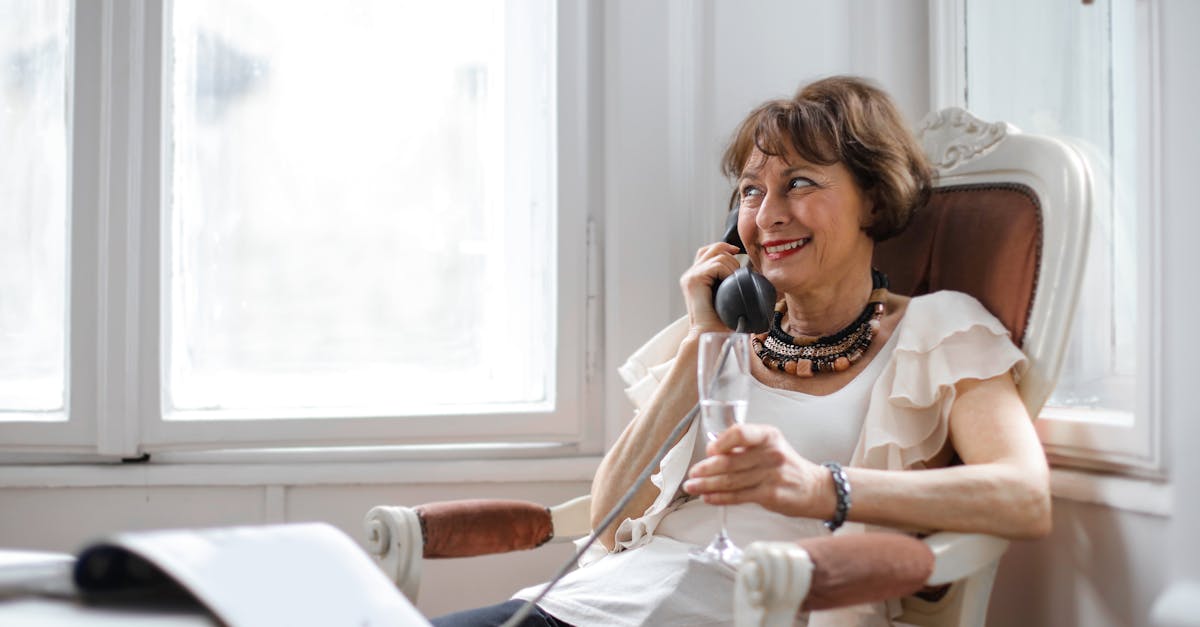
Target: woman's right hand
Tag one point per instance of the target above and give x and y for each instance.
(713, 263)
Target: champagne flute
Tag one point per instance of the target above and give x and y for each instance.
(723, 375)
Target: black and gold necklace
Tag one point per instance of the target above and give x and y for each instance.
(806, 356)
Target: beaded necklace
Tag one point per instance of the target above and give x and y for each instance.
(805, 356)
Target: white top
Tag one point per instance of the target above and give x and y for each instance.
(893, 415)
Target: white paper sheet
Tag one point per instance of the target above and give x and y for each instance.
(299, 574)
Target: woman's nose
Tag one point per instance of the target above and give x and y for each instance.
(773, 211)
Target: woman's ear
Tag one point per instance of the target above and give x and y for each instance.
(866, 219)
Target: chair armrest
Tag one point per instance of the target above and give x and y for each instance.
(776, 580)
(400, 537)
(969, 561)
(482, 527)
(865, 567)
(772, 581)
(959, 555)
(394, 540)
(573, 518)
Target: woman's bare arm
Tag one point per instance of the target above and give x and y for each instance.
(676, 395)
(639, 442)
(1002, 488)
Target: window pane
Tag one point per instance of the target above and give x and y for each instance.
(361, 209)
(1065, 69)
(33, 196)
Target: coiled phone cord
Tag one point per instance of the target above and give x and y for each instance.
(676, 433)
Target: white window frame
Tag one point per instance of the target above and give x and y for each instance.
(1110, 440)
(119, 178)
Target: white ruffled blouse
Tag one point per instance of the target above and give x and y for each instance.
(944, 337)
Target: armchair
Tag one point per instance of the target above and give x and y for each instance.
(1007, 223)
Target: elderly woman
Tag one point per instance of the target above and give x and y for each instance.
(820, 178)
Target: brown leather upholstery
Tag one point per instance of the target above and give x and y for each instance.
(865, 567)
(482, 527)
(983, 239)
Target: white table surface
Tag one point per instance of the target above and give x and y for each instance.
(50, 612)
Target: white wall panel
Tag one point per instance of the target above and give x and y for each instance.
(63, 519)
(1100, 567)
(1180, 65)
(767, 49)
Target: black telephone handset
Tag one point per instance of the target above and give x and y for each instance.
(746, 299)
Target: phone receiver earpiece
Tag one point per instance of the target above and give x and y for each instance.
(745, 297)
(731, 233)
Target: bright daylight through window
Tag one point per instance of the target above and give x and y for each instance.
(33, 203)
(1072, 77)
(361, 208)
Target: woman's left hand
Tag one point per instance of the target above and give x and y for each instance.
(751, 463)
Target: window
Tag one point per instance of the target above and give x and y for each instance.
(292, 224)
(33, 199)
(1081, 72)
(349, 229)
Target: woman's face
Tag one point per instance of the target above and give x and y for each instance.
(802, 223)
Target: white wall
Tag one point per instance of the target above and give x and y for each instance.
(1180, 57)
(1100, 566)
(678, 74)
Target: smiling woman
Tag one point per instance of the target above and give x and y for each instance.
(821, 178)
(842, 121)
(804, 221)
(872, 384)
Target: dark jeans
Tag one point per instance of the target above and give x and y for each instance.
(495, 615)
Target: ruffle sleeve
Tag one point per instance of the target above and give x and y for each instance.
(945, 337)
(643, 373)
(647, 366)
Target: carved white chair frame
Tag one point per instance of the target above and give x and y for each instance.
(965, 151)
(774, 578)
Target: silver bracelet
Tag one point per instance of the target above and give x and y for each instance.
(841, 485)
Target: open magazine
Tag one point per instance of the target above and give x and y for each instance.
(295, 574)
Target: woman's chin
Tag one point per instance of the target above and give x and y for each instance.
(787, 280)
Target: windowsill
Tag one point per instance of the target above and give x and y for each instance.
(1133, 494)
(374, 467)
(300, 468)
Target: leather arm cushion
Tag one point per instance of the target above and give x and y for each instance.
(482, 527)
(865, 567)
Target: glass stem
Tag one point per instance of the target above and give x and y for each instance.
(724, 534)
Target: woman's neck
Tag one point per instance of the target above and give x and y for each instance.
(827, 310)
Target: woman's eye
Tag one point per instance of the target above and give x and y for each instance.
(751, 196)
(800, 182)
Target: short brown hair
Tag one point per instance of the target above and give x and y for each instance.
(843, 119)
